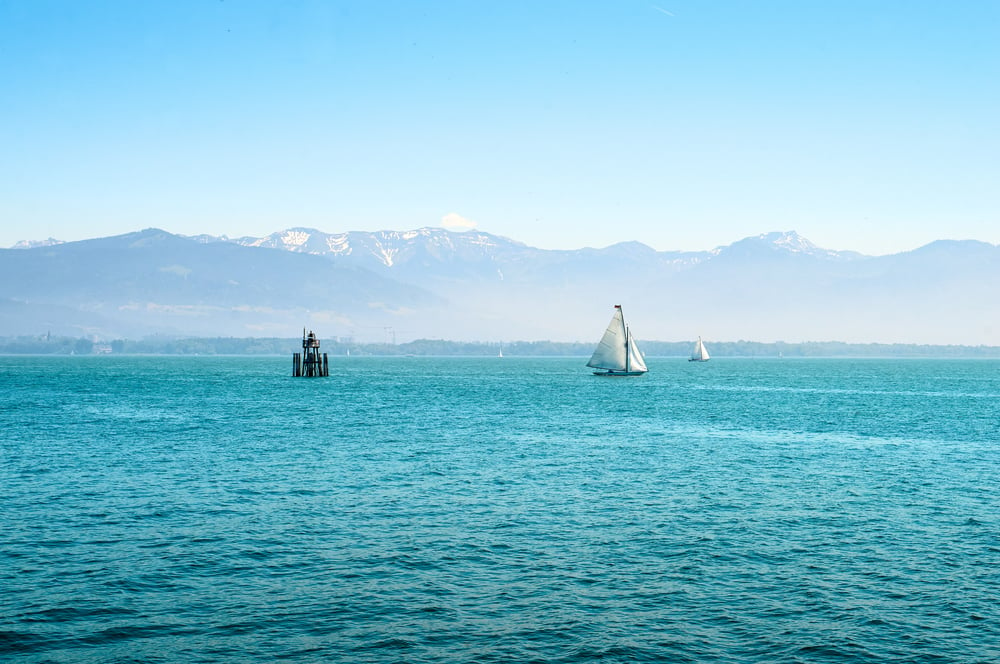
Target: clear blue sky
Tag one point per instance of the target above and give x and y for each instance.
(683, 124)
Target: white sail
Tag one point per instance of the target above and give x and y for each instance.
(636, 363)
(700, 352)
(610, 353)
(617, 350)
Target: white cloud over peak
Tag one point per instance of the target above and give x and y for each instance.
(456, 222)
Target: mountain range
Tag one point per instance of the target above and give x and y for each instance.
(439, 284)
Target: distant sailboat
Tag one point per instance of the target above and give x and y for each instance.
(617, 354)
(700, 353)
(500, 354)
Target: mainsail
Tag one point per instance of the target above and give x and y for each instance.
(617, 350)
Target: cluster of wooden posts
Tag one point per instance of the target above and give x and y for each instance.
(310, 363)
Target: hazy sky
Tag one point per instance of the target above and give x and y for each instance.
(683, 124)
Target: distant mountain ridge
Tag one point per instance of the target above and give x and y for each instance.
(435, 283)
(394, 247)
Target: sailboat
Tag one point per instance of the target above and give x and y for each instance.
(617, 354)
(700, 353)
(500, 354)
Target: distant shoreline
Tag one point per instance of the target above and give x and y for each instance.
(48, 345)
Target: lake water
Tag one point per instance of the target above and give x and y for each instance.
(499, 510)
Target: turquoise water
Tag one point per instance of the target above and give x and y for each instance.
(460, 510)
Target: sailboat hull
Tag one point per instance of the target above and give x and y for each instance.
(698, 359)
(615, 374)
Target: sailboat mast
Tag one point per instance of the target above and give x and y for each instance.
(628, 355)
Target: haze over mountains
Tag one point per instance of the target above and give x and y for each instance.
(434, 283)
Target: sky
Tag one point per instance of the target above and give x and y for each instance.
(682, 124)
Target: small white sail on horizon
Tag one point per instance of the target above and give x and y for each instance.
(700, 352)
(617, 353)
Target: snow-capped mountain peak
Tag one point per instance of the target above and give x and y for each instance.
(32, 244)
(789, 241)
(781, 243)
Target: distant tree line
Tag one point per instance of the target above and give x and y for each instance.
(54, 345)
